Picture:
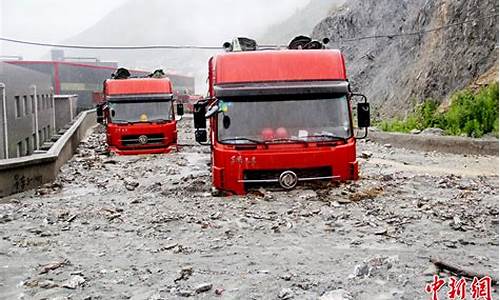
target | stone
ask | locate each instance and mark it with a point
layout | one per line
(336, 295)
(285, 294)
(366, 154)
(431, 270)
(388, 146)
(47, 284)
(433, 131)
(202, 288)
(73, 282)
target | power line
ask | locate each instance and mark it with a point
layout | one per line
(197, 47)
(84, 47)
(390, 36)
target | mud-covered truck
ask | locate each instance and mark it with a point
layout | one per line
(139, 114)
(279, 118)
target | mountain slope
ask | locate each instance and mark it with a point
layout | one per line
(396, 72)
(302, 22)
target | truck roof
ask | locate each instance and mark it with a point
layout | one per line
(279, 65)
(138, 86)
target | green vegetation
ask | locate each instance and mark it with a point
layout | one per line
(472, 114)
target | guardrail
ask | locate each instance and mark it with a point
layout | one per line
(25, 173)
(445, 144)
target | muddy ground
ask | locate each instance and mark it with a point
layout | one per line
(149, 228)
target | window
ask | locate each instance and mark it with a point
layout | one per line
(32, 104)
(18, 107)
(44, 134)
(25, 105)
(40, 136)
(39, 102)
(19, 149)
(49, 135)
(28, 146)
(51, 102)
(34, 141)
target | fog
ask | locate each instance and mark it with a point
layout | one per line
(47, 20)
(139, 22)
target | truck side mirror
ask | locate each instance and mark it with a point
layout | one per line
(199, 111)
(100, 114)
(180, 109)
(363, 115)
(201, 136)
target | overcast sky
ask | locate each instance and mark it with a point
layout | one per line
(48, 20)
(57, 20)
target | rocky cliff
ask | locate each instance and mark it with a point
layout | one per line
(395, 72)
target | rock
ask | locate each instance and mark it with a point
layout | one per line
(184, 293)
(74, 282)
(53, 266)
(285, 294)
(388, 146)
(47, 284)
(184, 273)
(287, 277)
(343, 201)
(433, 131)
(202, 288)
(131, 185)
(219, 291)
(336, 295)
(415, 131)
(308, 195)
(431, 270)
(366, 154)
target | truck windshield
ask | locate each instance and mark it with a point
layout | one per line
(284, 121)
(135, 111)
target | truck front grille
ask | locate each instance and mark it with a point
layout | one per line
(254, 179)
(138, 140)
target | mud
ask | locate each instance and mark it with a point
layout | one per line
(149, 228)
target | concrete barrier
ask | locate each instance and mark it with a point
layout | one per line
(25, 173)
(445, 144)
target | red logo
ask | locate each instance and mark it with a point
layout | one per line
(480, 288)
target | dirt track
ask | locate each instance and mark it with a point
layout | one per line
(149, 228)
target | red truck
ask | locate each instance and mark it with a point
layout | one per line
(139, 115)
(279, 118)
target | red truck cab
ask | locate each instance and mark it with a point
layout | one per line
(279, 118)
(139, 115)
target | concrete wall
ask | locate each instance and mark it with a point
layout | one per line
(21, 174)
(429, 143)
(21, 101)
(65, 107)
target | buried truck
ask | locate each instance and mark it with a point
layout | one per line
(139, 114)
(279, 118)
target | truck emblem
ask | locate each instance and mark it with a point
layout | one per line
(143, 140)
(288, 180)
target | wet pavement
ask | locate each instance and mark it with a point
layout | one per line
(148, 227)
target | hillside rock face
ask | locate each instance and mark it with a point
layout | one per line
(399, 71)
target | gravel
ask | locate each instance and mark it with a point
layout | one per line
(89, 237)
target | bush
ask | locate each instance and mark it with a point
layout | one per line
(472, 114)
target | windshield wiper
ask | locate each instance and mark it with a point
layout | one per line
(326, 136)
(242, 139)
(159, 121)
(291, 140)
(120, 121)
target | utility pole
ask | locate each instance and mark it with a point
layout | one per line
(37, 137)
(5, 129)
